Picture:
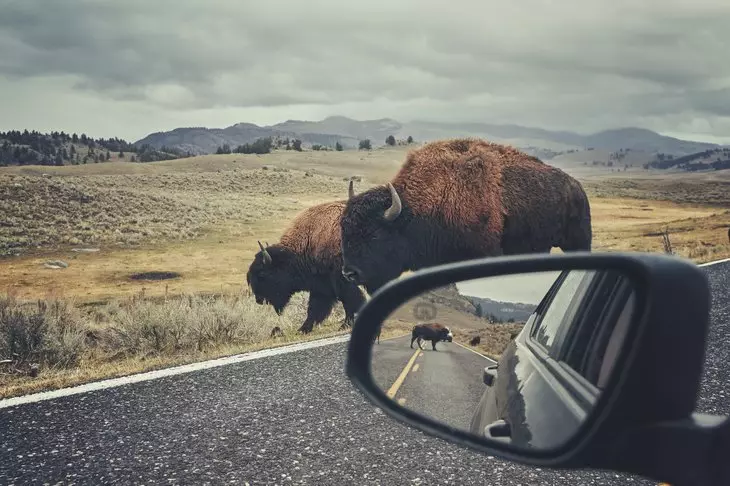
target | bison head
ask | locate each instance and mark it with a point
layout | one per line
(374, 245)
(447, 335)
(270, 277)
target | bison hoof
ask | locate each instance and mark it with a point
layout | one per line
(305, 330)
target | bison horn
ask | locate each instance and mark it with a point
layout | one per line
(350, 190)
(395, 208)
(267, 257)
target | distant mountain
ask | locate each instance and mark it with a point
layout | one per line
(537, 141)
(501, 311)
(199, 140)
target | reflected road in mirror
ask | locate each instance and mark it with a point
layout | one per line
(444, 385)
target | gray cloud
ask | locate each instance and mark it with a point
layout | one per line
(579, 64)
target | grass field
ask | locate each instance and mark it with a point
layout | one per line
(200, 218)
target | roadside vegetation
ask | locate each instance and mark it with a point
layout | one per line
(52, 343)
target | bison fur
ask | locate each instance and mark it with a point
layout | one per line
(460, 199)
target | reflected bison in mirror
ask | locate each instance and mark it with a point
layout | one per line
(430, 332)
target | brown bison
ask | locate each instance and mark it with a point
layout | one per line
(461, 199)
(430, 332)
(475, 340)
(307, 258)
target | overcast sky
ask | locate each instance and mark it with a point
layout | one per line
(126, 68)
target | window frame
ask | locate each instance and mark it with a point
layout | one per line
(581, 391)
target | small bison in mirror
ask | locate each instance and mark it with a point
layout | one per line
(430, 332)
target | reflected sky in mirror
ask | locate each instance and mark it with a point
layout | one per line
(527, 288)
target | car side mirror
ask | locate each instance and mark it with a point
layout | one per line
(564, 360)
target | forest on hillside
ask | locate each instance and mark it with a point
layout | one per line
(60, 148)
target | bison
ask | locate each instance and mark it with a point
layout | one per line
(430, 332)
(475, 340)
(307, 258)
(460, 199)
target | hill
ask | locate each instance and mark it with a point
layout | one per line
(501, 311)
(60, 148)
(543, 143)
(712, 159)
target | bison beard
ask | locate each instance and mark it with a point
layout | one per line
(430, 332)
(308, 258)
(460, 199)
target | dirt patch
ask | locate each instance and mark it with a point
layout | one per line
(155, 276)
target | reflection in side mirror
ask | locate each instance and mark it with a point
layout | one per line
(520, 359)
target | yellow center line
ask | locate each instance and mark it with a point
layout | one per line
(399, 381)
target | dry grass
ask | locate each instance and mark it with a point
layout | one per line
(696, 232)
(70, 344)
(201, 217)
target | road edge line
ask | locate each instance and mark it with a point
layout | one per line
(476, 352)
(707, 264)
(174, 370)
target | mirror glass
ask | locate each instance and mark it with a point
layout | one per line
(520, 359)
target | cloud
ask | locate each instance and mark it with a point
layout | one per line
(579, 64)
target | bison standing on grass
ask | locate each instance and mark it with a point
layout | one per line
(308, 258)
(460, 199)
(430, 332)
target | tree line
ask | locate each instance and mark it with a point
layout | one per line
(265, 145)
(60, 148)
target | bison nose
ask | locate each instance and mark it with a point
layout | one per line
(350, 274)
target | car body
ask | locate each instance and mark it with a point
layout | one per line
(541, 365)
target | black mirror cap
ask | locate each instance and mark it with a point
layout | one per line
(648, 391)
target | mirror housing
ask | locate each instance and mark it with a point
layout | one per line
(648, 401)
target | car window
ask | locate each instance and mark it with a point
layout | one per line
(605, 310)
(562, 307)
(599, 302)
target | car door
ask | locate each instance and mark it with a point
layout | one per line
(546, 380)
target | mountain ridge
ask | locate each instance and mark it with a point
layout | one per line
(349, 132)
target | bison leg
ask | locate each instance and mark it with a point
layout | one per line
(319, 308)
(433, 344)
(352, 299)
(419, 342)
(413, 338)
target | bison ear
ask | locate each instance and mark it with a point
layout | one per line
(395, 206)
(350, 190)
(267, 257)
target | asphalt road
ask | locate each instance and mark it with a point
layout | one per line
(445, 384)
(286, 419)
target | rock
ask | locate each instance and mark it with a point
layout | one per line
(85, 250)
(56, 264)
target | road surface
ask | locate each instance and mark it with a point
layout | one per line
(284, 419)
(445, 384)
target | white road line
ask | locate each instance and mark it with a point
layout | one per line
(714, 263)
(177, 370)
(475, 352)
